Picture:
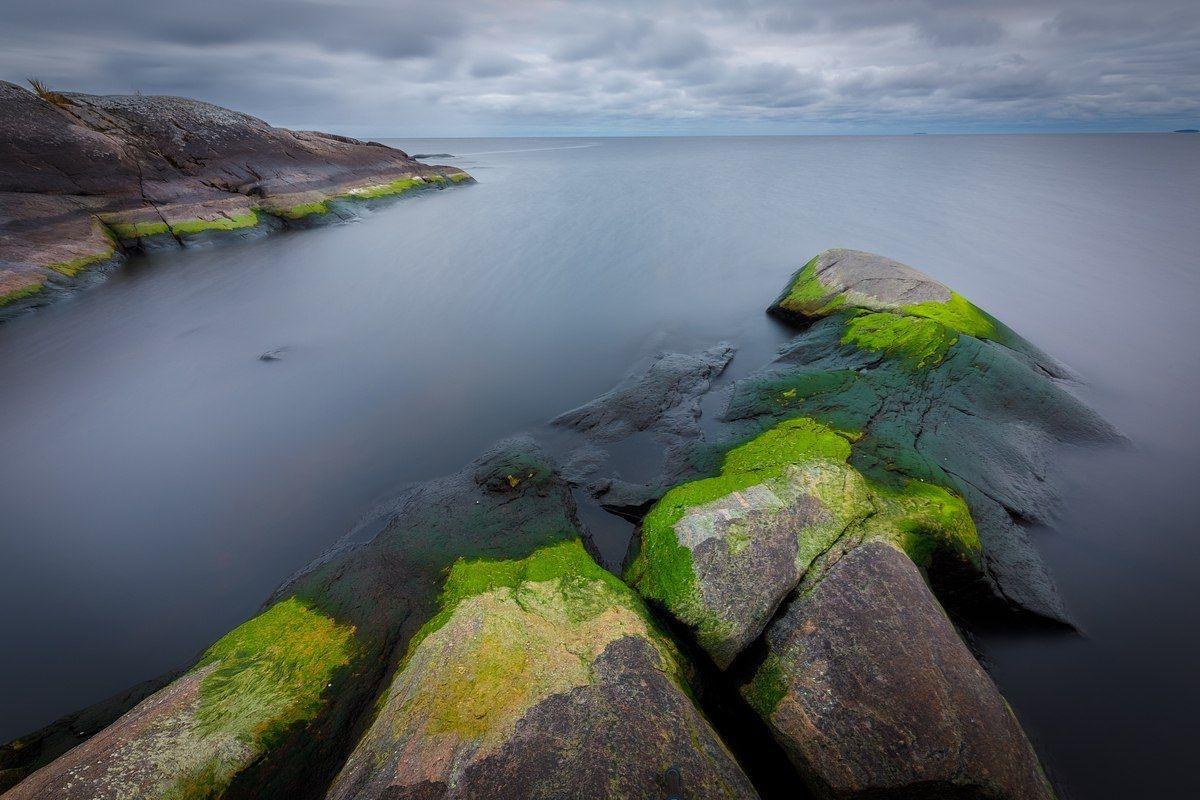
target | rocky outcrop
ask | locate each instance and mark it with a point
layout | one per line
(539, 678)
(935, 390)
(482, 579)
(903, 432)
(272, 709)
(872, 693)
(469, 646)
(83, 178)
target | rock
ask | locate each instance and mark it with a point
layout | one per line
(840, 281)
(873, 694)
(665, 397)
(936, 391)
(655, 410)
(720, 554)
(272, 709)
(82, 176)
(275, 354)
(539, 678)
(29, 753)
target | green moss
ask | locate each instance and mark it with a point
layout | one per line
(21, 294)
(247, 220)
(958, 314)
(920, 517)
(767, 688)
(567, 559)
(663, 570)
(138, 230)
(270, 673)
(75, 266)
(302, 210)
(919, 343)
(807, 295)
(387, 189)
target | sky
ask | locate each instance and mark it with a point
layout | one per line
(543, 67)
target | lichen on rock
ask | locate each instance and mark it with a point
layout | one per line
(474, 700)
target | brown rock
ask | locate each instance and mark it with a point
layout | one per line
(872, 693)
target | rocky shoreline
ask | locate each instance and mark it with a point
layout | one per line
(792, 594)
(85, 180)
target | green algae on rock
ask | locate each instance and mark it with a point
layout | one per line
(872, 693)
(721, 553)
(491, 694)
(853, 282)
(191, 738)
(273, 708)
(941, 392)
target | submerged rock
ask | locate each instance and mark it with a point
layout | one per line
(539, 678)
(872, 693)
(83, 176)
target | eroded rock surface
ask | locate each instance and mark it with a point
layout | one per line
(873, 694)
(82, 177)
(539, 678)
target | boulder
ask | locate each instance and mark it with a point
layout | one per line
(935, 390)
(542, 677)
(720, 554)
(872, 693)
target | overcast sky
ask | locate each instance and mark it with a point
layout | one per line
(516, 67)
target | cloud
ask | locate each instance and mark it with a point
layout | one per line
(478, 67)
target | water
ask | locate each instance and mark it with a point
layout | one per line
(157, 479)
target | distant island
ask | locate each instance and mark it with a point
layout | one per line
(1187, 130)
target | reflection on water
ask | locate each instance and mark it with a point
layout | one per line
(157, 478)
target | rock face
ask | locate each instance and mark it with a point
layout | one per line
(539, 678)
(83, 177)
(872, 693)
(472, 647)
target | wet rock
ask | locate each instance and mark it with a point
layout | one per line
(272, 709)
(539, 678)
(84, 176)
(665, 397)
(29, 753)
(275, 354)
(936, 391)
(872, 693)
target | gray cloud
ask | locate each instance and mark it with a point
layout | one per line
(460, 67)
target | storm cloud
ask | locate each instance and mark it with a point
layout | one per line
(723, 66)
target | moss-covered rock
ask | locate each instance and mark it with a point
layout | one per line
(540, 677)
(872, 693)
(940, 391)
(191, 738)
(721, 553)
(274, 707)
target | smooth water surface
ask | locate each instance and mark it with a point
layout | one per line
(157, 479)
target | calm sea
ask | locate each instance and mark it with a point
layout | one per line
(157, 479)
